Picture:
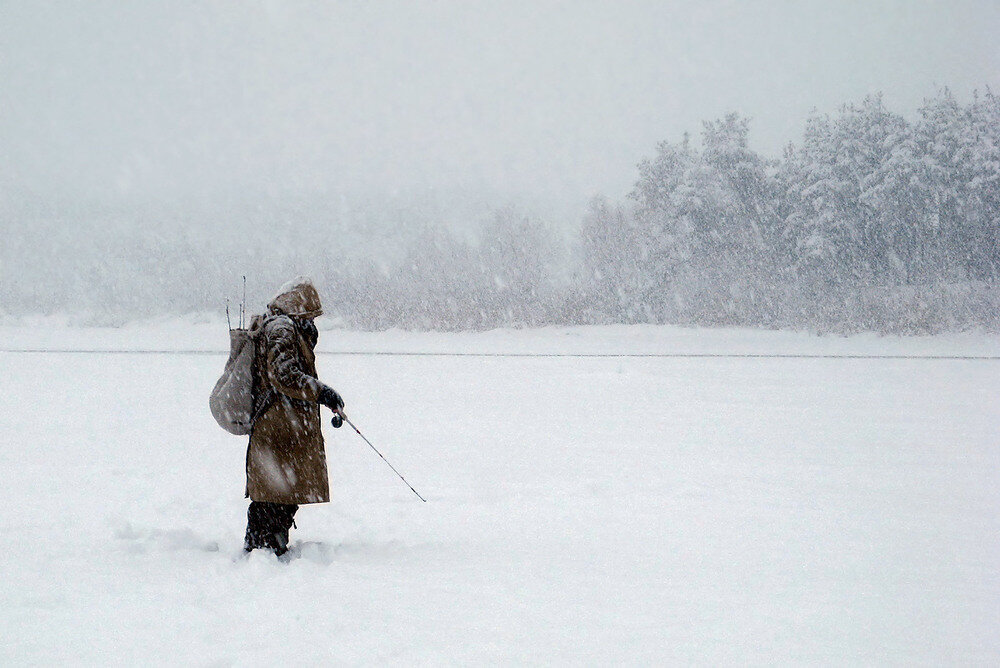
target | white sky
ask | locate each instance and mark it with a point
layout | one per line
(558, 100)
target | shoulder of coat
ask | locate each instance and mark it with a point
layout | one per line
(275, 324)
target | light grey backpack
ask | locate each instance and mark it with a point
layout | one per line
(232, 398)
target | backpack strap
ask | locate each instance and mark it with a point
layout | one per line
(257, 326)
(256, 331)
(270, 397)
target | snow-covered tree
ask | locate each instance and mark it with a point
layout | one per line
(837, 235)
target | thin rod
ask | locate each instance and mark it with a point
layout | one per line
(348, 421)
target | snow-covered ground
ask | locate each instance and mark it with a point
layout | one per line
(581, 510)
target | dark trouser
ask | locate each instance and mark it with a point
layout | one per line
(268, 525)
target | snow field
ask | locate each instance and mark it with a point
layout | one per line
(626, 511)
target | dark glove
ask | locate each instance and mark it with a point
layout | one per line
(328, 397)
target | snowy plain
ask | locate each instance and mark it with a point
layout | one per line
(581, 510)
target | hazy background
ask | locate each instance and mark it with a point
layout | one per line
(250, 125)
(554, 100)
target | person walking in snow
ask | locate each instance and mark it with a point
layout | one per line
(286, 459)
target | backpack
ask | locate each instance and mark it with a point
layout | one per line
(232, 398)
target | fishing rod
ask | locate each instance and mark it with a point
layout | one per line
(346, 419)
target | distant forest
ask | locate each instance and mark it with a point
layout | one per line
(871, 222)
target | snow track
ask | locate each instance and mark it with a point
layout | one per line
(582, 509)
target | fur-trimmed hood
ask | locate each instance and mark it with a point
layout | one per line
(297, 298)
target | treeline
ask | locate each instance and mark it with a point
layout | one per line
(871, 223)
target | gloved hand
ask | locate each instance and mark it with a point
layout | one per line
(329, 398)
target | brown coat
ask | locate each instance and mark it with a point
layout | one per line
(286, 460)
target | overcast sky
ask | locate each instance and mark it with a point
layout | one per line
(560, 100)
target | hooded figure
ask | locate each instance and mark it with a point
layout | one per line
(286, 460)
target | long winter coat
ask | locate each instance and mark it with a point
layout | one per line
(286, 460)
